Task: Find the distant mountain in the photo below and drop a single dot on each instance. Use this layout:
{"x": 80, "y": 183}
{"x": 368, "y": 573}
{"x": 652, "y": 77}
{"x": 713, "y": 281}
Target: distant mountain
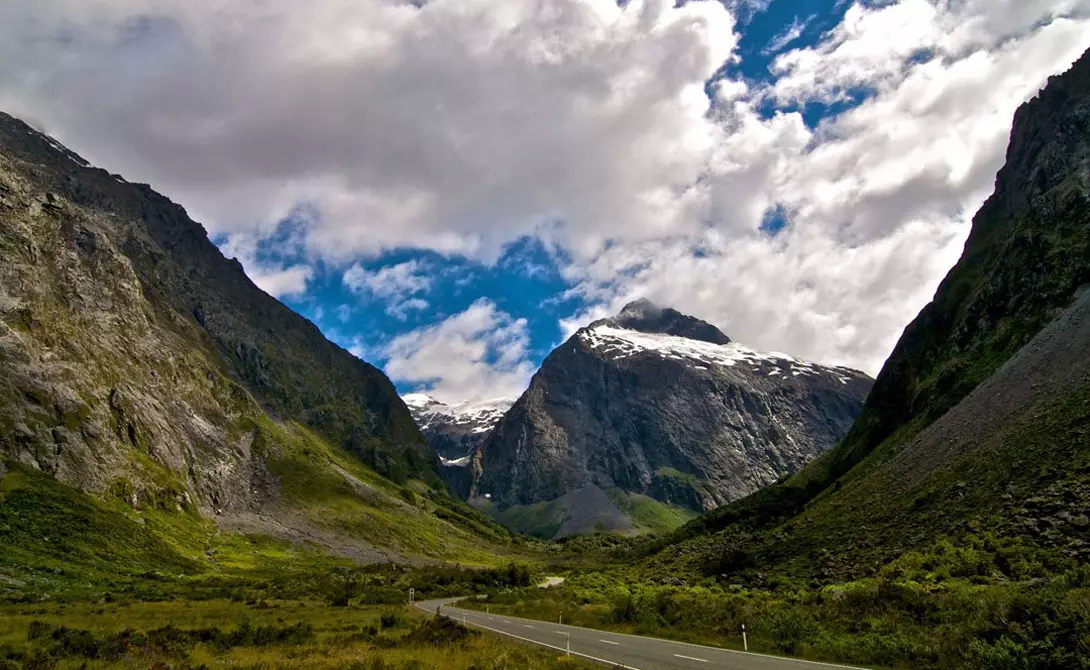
{"x": 978, "y": 422}
{"x": 661, "y": 405}
{"x": 454, "y": 431}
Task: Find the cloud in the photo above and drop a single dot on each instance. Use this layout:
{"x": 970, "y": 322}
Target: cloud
{"x": 457, "y": 126}
{"x": 276, "y": 280}
{"x": 395, "y": 285}
{"x": 393, "y": 281}
{"x": 877, "y": 200}
{"x": 474, "y": 355}
{"x": 789, "y": 35}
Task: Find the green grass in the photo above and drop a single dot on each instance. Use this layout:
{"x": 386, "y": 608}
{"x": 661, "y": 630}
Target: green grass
{"x": 265, "y": 634}
{"x": 52, "y": 533}
{"x": 335, "y": 491}
{"x": 649, "y": 515}
{"x": 980, "y": 602}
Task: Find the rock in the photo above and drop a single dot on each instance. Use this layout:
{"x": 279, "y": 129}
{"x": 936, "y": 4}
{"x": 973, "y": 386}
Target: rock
{"x": 655, "y": 402}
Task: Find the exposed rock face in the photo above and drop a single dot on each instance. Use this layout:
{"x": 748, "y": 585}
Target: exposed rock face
{"x": 131, "y": 350}
{"x": 655, "y": 402}
{"x": 454, "y": 431}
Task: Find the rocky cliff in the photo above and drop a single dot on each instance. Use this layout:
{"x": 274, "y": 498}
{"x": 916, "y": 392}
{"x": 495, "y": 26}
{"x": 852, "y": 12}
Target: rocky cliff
{"x": 136, "y": 359}
{"x": 661, "y": 404}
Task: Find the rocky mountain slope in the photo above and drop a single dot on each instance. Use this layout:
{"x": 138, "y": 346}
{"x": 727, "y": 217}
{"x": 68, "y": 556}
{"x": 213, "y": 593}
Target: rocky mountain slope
{"x": 455, "y": 431}
{"x": 979, "y": 418}
{"x": 139, "y": 365}
{"x": 660, "y": 404}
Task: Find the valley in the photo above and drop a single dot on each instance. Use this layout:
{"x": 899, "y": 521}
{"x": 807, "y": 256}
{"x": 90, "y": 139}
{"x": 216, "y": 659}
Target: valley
{"x": 193, "y": 476}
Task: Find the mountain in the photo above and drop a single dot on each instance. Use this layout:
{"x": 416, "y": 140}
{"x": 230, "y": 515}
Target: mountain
{"x": 454, "y": 431}
{"x": 141, "y": 367}
{"x": 980, "y": 420}
{"x": 662, "y": 406}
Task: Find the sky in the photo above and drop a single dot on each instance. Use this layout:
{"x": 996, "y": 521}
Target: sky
{"x": 450, "y": 188}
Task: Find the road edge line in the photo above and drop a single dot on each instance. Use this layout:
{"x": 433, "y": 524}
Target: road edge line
{"x": 543, "y": 644}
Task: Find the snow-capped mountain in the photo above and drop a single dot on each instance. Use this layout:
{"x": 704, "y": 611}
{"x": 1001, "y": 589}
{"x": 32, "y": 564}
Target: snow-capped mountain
{"x": 655, "y": 402}
{"x": 454, "y": 430}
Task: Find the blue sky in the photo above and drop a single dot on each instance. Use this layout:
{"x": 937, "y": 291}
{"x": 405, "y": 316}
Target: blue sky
{"x": 450, "y": 188}
{"x": 525, "y": 280}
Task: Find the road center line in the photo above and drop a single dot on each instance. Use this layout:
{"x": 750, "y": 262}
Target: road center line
{"x": 528, "y": 625}
{"x": 610, "y": 642}
{"x": 691, "y": 658}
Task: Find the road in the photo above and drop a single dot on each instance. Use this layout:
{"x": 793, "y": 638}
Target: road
{"x": 616, "y": 649}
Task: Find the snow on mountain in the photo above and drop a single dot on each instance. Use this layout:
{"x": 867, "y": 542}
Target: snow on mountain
{"x": 454, "y": 430}
{"x": 476, "y": 416}
{"x": 617, "y": 343}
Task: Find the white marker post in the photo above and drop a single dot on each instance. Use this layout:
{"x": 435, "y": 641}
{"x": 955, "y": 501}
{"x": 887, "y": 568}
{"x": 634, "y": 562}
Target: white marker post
{"x": 412, "y": 592}
{"x": 561, "y": 619}
{"x": 567, "y": 642}
{"x": 745, "y": 645}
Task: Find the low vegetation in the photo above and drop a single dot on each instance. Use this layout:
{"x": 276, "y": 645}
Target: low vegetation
{"x": 976, "y": 603}
{"x": 266, "y": 634}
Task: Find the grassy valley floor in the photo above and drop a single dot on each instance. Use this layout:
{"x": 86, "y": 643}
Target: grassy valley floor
{"x": 266, "y": 634}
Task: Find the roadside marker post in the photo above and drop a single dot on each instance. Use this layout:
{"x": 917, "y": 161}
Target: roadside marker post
{"x": 412, "y": 592}
{"x": 745, "y": 644}
{"x": 567, "y": 642}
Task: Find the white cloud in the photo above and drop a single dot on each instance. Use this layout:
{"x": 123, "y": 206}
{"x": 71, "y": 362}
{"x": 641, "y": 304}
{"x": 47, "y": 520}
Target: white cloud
{"x": 455, "y": 126}
{"x": 277, "y": 281}
{"x": 392, "y": 281}
{"x": 878, "y": 199}
{"x": 477, "y": 354}
{"x": 789, "y": 35}
{"x": 466, "y": 124}
{"x": 395, "y": 285}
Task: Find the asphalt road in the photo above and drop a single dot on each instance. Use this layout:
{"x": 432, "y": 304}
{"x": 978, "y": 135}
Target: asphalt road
{"x": 615, "y": 649}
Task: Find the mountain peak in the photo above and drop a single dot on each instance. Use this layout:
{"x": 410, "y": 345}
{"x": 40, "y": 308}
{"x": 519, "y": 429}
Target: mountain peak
{"x": 646, "y": 317}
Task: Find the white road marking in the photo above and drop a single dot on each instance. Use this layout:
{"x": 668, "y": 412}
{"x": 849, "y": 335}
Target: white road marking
{"x": 609, "y": 642}
{"x": 528, "y": 626}
{"x": 691, "y": 658}
{"x": 550, "y": 646}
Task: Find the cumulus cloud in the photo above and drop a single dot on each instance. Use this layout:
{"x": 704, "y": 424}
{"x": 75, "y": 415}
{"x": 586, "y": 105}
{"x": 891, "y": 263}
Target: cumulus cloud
{"x": 878, "y": 199}
{"x": 477, "y": 354}
{"x": 456, "y": 125}
{"x": 459, "y": 125}
{"x": 393, "y": 284}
